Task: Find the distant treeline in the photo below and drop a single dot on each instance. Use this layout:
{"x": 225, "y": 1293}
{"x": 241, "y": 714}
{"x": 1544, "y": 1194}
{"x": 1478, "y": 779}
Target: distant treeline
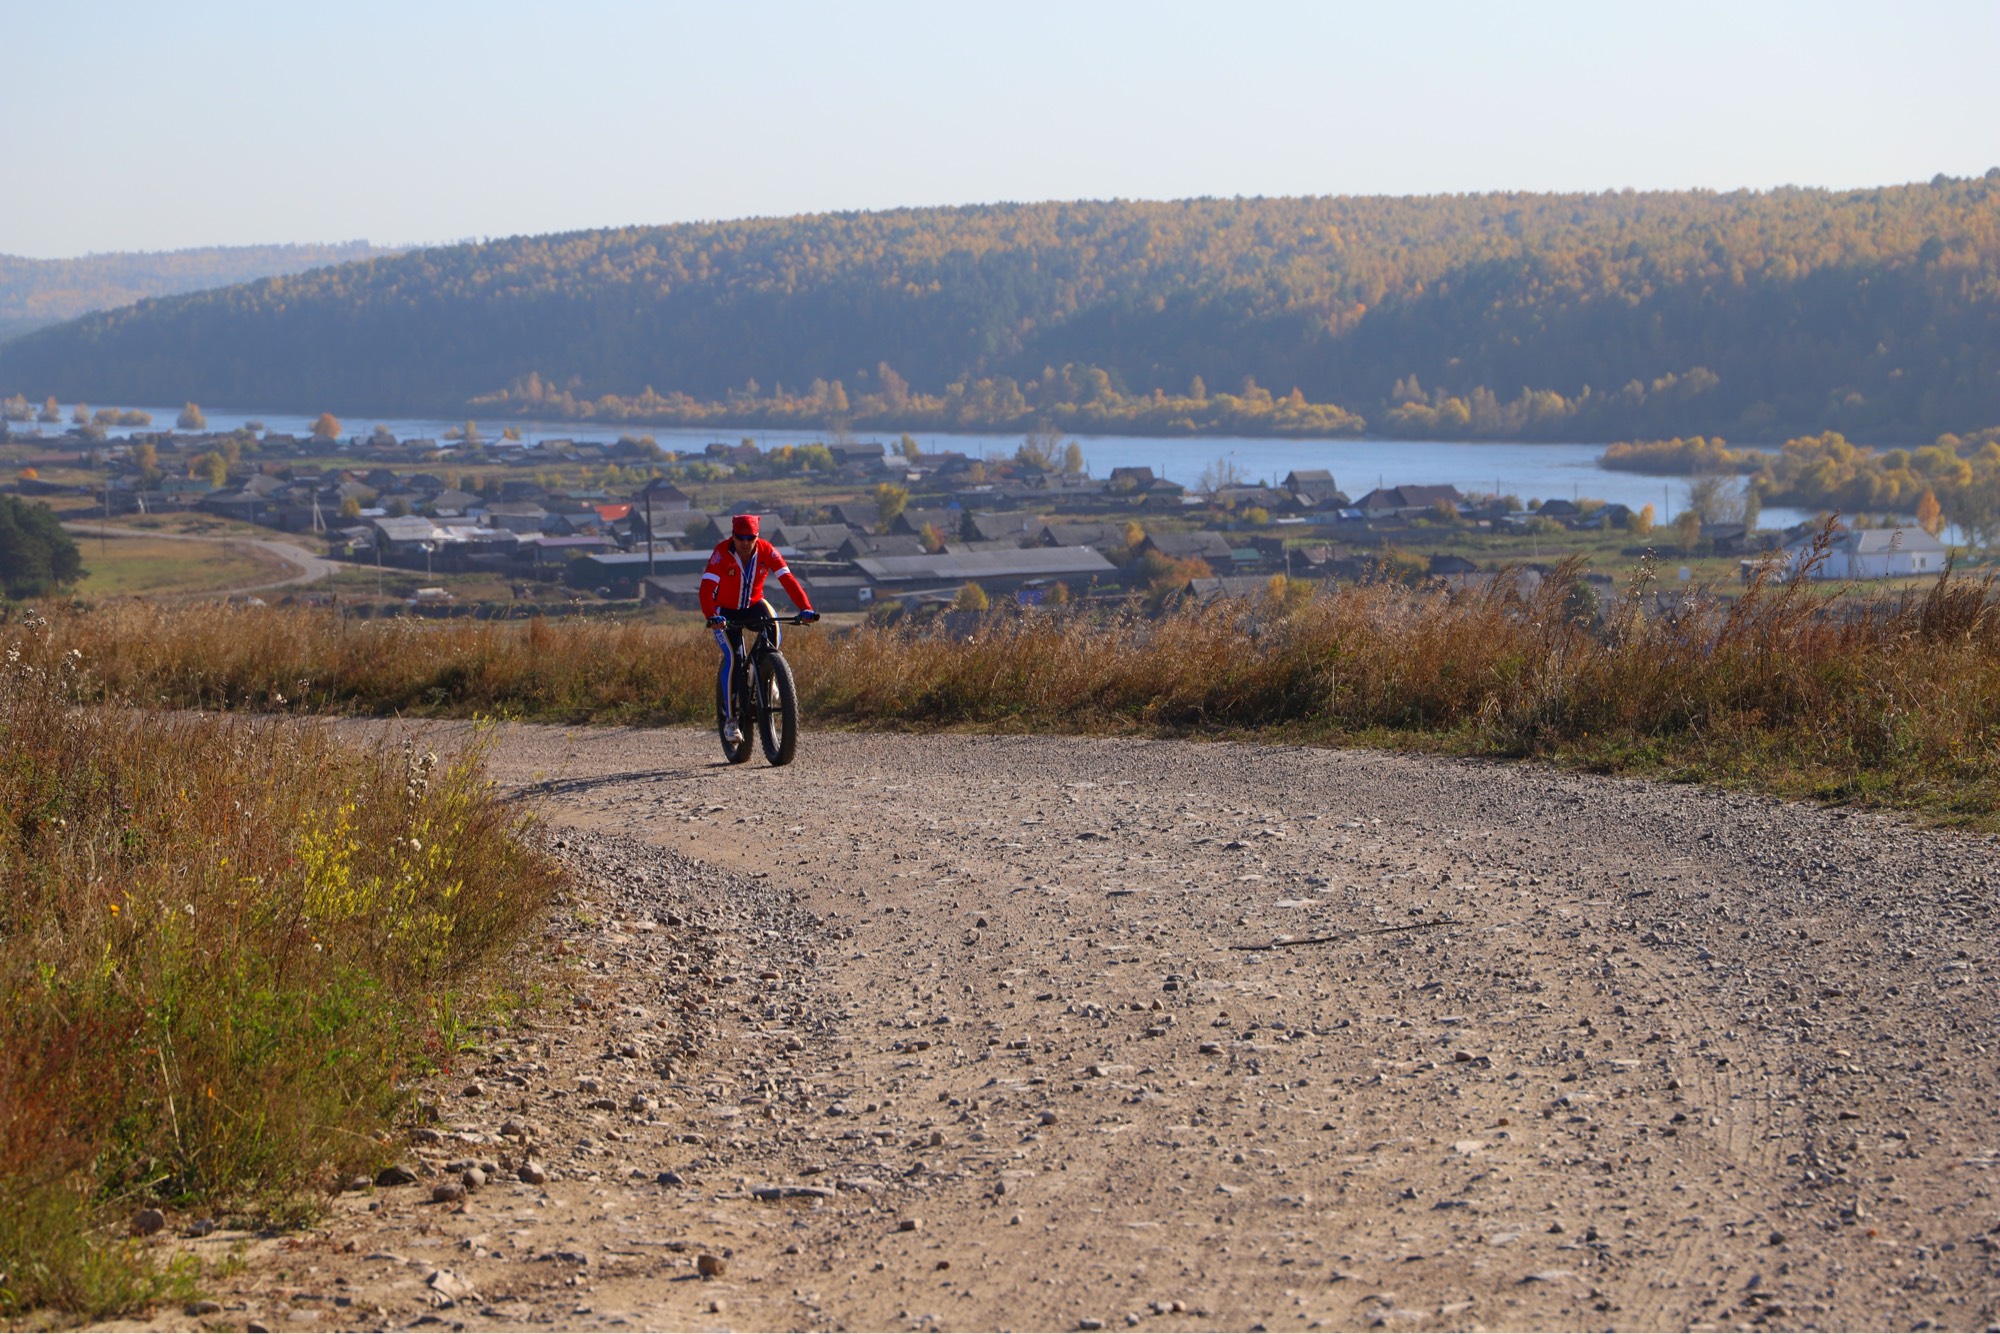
{"x": 1875, "y": 313}
{"x": 38, "y": 292}
{"x": 1075, "y": 398}
{"x": 1953, "y": 479}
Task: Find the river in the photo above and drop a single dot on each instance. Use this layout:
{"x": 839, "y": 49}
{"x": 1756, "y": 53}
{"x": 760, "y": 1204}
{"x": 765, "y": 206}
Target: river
{"x": 1530, "y": 471}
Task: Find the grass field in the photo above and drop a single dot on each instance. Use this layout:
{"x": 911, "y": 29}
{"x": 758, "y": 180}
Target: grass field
{"x": 165, "y": 567}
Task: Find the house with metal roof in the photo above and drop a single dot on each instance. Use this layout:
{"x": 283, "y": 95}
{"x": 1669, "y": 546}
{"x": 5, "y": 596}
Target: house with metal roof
{"x": 1873, "y": 553}
{"x": 994, "y": 571}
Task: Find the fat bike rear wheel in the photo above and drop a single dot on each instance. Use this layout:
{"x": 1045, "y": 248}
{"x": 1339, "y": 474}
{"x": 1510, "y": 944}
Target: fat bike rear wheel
{"x": 739, "y": 752}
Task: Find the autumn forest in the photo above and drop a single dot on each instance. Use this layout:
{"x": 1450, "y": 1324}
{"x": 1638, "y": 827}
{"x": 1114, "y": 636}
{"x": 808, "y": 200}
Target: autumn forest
{"x": 1757, "y": 316}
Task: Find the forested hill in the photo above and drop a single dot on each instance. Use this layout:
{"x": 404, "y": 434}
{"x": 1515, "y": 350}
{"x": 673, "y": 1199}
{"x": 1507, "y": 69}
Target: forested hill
{"x": 35, "y": 292}
{"x": 1752, "y": 315}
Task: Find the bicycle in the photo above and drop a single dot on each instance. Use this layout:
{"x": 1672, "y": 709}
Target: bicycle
{"x": 771, "y": 711}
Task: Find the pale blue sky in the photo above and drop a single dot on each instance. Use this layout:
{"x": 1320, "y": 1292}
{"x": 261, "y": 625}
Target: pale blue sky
{"x": 157, "y": 126}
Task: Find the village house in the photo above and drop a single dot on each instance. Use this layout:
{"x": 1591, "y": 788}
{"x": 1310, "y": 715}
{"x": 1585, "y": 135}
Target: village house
{"x": 667, "y": 525}
{"x": 1102, "y": 536}
{"x": 858, "y": 456}
{"x": 1407, "y": 502}
{"x": 877, "y": 544}
{"x": 997, "y": 572}
{"x": 1313, "y": 488}
{"x": 945, "y": 522}
{"x": 1209, "y": 546}
{"x": 1872, "y": 553}
{"x": 1016, "y": 526}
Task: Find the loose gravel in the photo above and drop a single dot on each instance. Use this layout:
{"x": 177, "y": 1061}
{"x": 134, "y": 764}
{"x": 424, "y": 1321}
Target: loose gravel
{"x": 950, "y": 1032}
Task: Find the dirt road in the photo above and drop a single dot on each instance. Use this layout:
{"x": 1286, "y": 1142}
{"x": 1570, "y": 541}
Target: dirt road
{"x": 949, "y": 1032}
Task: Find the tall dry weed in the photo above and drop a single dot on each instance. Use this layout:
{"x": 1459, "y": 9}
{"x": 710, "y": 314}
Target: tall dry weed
{"x": 223, "y": 942}
{"x": 1787, "y": 685}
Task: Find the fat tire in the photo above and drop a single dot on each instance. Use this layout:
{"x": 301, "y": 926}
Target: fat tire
{"x": 739, "y": 752}
{"x": 778, "y": 719}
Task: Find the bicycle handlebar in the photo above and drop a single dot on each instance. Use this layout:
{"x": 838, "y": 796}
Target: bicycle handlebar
{"x": 752, "y": 616}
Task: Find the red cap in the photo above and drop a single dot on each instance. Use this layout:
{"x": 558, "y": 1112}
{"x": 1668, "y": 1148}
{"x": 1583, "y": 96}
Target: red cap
{"x": 743, "y": 525}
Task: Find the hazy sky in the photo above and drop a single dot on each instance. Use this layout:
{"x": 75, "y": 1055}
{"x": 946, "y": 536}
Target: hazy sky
{"x": 129, "y": 126}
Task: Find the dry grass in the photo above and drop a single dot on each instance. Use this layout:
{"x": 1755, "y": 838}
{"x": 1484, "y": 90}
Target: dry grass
{"x": 1787, "y": 687}
{"x": 222, "y": 944}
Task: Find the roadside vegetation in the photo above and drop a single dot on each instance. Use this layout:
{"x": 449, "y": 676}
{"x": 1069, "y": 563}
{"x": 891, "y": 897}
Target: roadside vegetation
{"x": 1786, "y": 687}
{"x": 226, "y": 944}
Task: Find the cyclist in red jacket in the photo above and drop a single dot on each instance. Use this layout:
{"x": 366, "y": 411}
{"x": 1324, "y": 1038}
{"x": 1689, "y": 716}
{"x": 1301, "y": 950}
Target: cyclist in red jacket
{"x": 734, "y": 584}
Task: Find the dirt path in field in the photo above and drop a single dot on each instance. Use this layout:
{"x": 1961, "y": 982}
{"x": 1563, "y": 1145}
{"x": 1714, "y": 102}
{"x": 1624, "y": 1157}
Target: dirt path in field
{"x": 947, "y": 1032}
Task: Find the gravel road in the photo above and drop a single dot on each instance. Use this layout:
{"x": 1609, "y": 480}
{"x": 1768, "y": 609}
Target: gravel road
{"x": 949, "y": 1032}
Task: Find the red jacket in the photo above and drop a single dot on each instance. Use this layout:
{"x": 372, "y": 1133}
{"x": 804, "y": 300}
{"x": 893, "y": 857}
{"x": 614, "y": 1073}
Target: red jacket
{"x": 726, "y": 583}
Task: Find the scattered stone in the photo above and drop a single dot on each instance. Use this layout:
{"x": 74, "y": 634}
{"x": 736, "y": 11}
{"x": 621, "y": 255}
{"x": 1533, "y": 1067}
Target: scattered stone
{"x": 447, "y": 1192}
{"x": 533, "y": 1173}
{"x": 395, "y": 1174}
{"x": 449, "y": 1289}
{"x": 473, "y": 1178}
{"x": 147, "y": 1221}
{"x": 1047, "y": 1118}
{"x": 910, "y": 1225}
{"x": 670, "y": 1179}
{"x": 203, "y": 1307}
{"x": 710, "y": 1266}
{"x": 201, "y": 1227}
{"x": 473, "y": 1090}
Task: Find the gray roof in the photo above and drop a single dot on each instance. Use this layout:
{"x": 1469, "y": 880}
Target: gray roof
{"x": 1873, "y": 541}
{"x": 991, "y": 527}
{"x": 411, "y": 528}
{"x": 1230, "y": 586}
{"x": 1203, "y": 543}
{"x": 1031, "y": 562}
{"x": 665, "y": 562}
{"x": 815, "y": 536}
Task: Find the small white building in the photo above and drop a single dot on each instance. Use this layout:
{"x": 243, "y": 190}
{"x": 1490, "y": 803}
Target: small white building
{"x": 1873, "y": 553}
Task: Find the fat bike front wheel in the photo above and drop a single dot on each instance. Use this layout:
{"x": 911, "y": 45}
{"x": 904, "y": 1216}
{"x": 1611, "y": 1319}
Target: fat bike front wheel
{"x": 778, "y": 714}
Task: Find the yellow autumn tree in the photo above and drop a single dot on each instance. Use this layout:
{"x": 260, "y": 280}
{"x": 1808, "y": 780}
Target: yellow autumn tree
{"x": 1930, "y": 515}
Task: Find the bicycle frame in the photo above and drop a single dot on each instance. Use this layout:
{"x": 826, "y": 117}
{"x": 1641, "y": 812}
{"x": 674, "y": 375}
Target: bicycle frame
{"x": 772, "y": 719}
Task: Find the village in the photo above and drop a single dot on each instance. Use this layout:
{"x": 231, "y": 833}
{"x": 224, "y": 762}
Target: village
{"x": 498, "y": 526}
